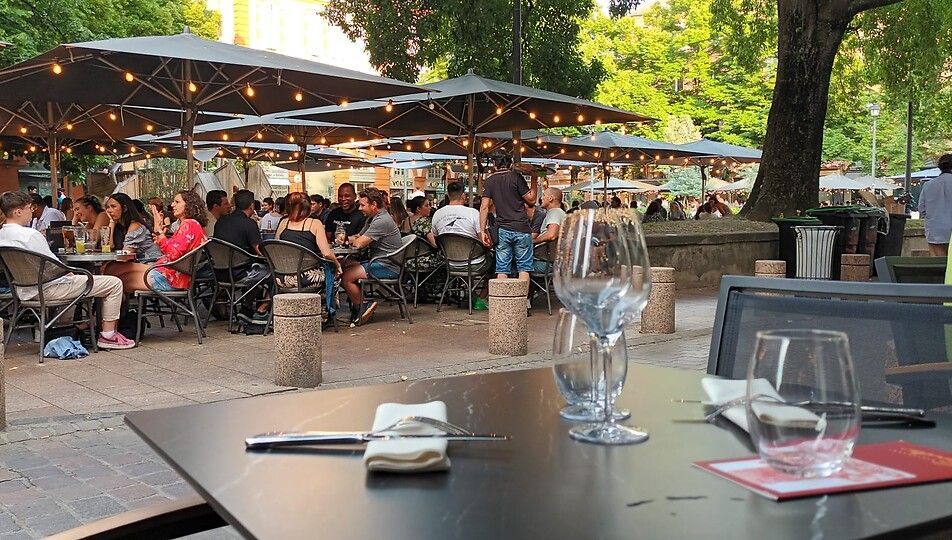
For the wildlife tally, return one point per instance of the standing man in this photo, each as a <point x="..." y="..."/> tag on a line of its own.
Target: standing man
<point x="218" y="205"/>
<point x="935" y="207"/>
<point x="43" y="215"/>
<point x="380" y="236"/>
<point x="506" y="189"/>
<point x="347" y="214"/>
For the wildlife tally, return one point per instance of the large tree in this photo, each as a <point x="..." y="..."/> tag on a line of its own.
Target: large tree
<point x="405" y="37"/>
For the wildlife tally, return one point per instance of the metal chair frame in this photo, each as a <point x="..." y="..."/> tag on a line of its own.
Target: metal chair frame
<point x="306" y="260"/>
<point x="392" y="288"/>
<point x="421" y="248"/>
<point x="543" y="252"/>
<point x="226" y="258"/>
<point x="463" y="270"/>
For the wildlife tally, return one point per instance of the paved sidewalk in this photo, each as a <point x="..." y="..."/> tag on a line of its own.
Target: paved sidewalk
<point x="67" y="458"/>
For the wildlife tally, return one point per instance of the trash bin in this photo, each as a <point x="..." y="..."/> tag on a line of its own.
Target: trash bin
<point x="846" y="217"/>
<point x="815" y="250"/>
<point x="872" y="225"/>
<point x="890" y="244"/>
<point x="788" y="238"/>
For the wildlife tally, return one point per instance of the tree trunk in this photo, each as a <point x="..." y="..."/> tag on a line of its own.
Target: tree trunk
<point x="809" y="35"/>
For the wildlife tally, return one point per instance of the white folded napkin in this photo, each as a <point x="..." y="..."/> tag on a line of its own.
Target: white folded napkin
<point x="408" y="455"/>
<point x="721" y="391"/>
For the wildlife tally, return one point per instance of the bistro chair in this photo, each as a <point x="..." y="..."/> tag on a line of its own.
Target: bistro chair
<point x="897" y="332"/>
<point x="391" y="288"/>
<point x="911" y="269"/>
<point x="289" y="260"/>
<point x="468" y="263"/>
<point x="419" y="249"/>
<point x="203" y="285"/>
<point x="543" y="252"/>
<point x="232" y="266"/>
<point x="25" y="268"/>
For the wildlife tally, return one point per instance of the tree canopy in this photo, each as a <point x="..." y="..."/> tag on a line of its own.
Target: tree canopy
<point x="446" y="38"/>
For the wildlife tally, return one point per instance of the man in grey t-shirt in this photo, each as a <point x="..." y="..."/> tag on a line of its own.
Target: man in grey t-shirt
<point x="380" y="236"/>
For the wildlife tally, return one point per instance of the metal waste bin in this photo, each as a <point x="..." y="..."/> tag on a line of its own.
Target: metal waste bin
<point x="815" y="250"/>
<point x="890" y="244"/>
<point x="788" y="238"/>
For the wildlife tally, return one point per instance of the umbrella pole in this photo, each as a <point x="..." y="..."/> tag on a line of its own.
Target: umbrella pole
<point x="471" y="125"/>
<point x="703" y="183"/>
<point x="188" y="131"/>
<point x="301" y="166"/>
<point x="53" y="145"/>
<point x="605" y="179"/>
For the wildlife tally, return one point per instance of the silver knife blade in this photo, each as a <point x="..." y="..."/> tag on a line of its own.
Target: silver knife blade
<point x="271" y="440"/>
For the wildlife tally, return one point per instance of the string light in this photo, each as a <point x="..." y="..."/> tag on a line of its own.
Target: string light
<point x="221" y="152"/>
<point x="164" y="150"/>
<point x="426" y="144"/>
<point x="249" y="91"/>
<point x="130" y="77"/>
<point x="344" y="102"/>
<point x="132" y="149"/>
<point x="562" y="151"/>
<point x="598" y="121"/>
<point x="581" y="118"/>
<point x="23" y="130"/>
<point x="565" y="139"/>
<point x="69" y="150"/>
<point x="224" y="136"/>
<point x="112" y="116"/>
<point x="408" y="146"/>
<point x="69" y="127"/>
<point x="298" y="96"/>
<point x="32" y="148"/>
<point x="297" y="155"/>
<point x="498" y="111"/>
<point x="192" y="87"/>
<point x="244" y="151"/>
<point x="291" y="138"/>
<point x="148" y="156"/>
<point x="259" y="135"/>
<point x="323" y="140"/>
<point x="431" y="105"/>
<point x="389" y="106"/>
<point x="556" y="119"/>
<point x="149" y="127"/>
<point x="538" y="140"/>
<point x="465" y="142"/>
<point x="532" y="115"/>
<point x="57" y="69"/>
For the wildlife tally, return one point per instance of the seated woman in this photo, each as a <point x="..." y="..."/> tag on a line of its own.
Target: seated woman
<point x="130" y="230"/>
<point x="655" y="212"/>
<point x="88" y="211"/>
<point x="422" y="226"/>
<point x="189" y="211"/>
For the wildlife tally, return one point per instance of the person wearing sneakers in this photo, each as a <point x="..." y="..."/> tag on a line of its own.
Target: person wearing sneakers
<point x="16" y="232"/>
<point x="380" y="236"/>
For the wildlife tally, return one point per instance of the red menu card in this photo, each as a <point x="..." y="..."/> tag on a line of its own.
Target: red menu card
<point x="872" y="466"/>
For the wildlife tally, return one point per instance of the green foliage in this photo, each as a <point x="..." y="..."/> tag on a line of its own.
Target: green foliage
<point x="685" y="181"/>
<point x="450" y="37"/>
<point x="680" y="129"/>
<point x="35" y="26"/>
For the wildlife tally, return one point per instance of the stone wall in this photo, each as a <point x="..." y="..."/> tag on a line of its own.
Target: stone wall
<point x="700" y="260"/>
<point x="913" y="238"/>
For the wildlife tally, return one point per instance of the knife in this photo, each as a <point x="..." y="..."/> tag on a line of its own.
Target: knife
<point x="276" y="439"/>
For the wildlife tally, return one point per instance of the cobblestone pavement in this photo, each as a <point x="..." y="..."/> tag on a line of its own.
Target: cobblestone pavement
<point x="67" y="458"/>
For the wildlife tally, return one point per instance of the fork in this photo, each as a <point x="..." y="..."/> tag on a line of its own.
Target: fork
<point x="445" y="427"/>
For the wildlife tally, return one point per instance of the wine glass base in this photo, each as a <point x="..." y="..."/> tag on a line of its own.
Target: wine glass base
<point x="587" y="413"/>
<point x="609" y="434"/>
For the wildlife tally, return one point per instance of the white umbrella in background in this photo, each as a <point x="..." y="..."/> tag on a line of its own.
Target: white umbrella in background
<point x="839" y="181"/>
<point x="875" y="183"/>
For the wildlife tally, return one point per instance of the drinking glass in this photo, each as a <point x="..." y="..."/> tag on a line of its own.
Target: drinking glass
<point x="601" y="274"/>
<point x="803" y="405"/>
<point x="577" y="366"/>
<point x="69" y="239"/>
<point x="81" y="236"/>
<point x="105" y="240"/>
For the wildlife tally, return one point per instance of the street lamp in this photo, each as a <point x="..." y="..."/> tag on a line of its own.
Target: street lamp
<point x="874" y="112"/>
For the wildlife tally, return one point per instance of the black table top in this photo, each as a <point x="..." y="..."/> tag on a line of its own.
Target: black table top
<point x="541" y="484"/>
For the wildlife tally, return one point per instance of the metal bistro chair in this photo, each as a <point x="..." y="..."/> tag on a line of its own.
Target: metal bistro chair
<point x="900" y="334"/>
<point x="418" y="249"/>
<point x="911" y="269"/>
<point x="230" y="263"/>
<point x="463" y="264"/>
<point x="25" y="268"/>
<point x="287" y="259"/>
<point x="203" y="284"/>
<point x="391" y="288"/>
<point x="543" y="252"/>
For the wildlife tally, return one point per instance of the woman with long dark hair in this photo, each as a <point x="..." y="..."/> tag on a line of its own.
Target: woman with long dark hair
<point x="88" y="211"/>
<point x="130" y="230"/>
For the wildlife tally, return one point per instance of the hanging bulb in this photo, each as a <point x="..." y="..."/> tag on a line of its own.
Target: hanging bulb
<point x="298" y="96"/>
<point x="598" y="122"/>
<point x="431" y="105"/>
<point x="259" y="135"/>
<point x="297" y="155"/>
<point x="192" y="87"/>
<point x="344" y="102"/>
<point x="57" y="69"/>
<point x="565" y="139"/>
<point x="465" y="142"/>
<point x="581" y="118"/>
<point x="291" y="138"/>
<point x="538" y="140"/>
<point x="149" y="127"/>
<point x="498" y="110"/>
<point x="408" y="147"/>
<point x="112" y="116"/>
<point x="323" y="140"/>
<point x="69" y="150"/>
<point x="132" y="149"/>
<point x="532" y="115"/>
<point x="249" y="91"/>
<point x="426" y="144"/>
<point x="130" y="77"/>
<point x="224" y="136"/>
<point x="244" y="151"/>
<point x="69" y="127"/>
<point x="32" y="148"/>
<point x="164" y="150"/>
<point x="221" y="152"/>
<point x="556" y="119"/>
<point x="389" y="106"/>
<point x="148" y="156"/>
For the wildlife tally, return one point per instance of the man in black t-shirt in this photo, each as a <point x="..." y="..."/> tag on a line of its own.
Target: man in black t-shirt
<point x="506" y="189"/>
<point x="347" y="214"/>
<point x="238" y="227"/>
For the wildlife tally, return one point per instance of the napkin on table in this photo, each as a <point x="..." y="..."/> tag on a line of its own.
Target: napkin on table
<point x="723" y="390"/>
<point x="408" y="455"/>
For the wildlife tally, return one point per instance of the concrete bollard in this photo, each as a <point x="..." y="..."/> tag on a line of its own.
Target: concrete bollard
<point x="921" y="253"/>
<point x="770" y="268"/>
<point x="854" y="267"/>
<point x="297" y="340"/>
<point x="508" y="329"/>
<point x="3" y="383"/>
<point x="658" y="315"/>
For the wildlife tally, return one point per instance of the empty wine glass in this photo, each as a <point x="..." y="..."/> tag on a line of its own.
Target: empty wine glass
<point x="803" y="406"/>
<point x="577" y="366"/>
<point x="601" y="274"/>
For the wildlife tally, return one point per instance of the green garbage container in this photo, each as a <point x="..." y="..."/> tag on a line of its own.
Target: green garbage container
<point x="788" y="238"/>
<point x="872" y="225"/>
<point x="890" y="244"/>
<point x="849" y="218"/>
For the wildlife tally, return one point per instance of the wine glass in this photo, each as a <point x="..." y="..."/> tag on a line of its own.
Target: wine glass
<point x="803" y="405"/>
<point x="601" y="274"/>
<point x="577" y="367"/>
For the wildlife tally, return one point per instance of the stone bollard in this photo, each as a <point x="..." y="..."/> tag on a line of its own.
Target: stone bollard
<point x="854" y="267"/>
<point x="508" y="331"/>
<point x="770" y="268"/>
<point x="921" y="253"/>
<point x="658" y="315"/>
<point x="3" y="388"/>
<point x="297" y="339"/>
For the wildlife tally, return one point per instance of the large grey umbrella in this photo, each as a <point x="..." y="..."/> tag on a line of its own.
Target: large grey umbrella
<point x="468" y="105"/>
<point x="189" y="73"/>
<point x="714" y="151"/>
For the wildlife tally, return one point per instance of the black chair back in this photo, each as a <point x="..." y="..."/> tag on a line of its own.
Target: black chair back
<point x="26" y="268"/>
<point x="290" y="259"/>
<point x="911" y="269"/>
<point x="890" y="328"/>
<point x="460" y="250"/>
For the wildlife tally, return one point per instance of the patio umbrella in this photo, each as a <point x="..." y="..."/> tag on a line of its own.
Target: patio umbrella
<point x="191" y="74"/>
<point x="714" y="151"/>
<point x="467" y="105"/>
<point x="839" y="181"/>
<point x="614" y="184"/>
<point x="870" y="182"/>
<point x="923" y="174"/>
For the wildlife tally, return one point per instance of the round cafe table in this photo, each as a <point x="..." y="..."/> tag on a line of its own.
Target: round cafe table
<point x="96" y="257"/>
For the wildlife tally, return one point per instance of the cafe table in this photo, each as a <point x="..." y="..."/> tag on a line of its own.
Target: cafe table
<point x="95" y="257"/>
<point x="540" y="484"/>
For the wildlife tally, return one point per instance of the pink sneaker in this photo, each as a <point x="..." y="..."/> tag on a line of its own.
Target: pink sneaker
<point x="117" y="341"/>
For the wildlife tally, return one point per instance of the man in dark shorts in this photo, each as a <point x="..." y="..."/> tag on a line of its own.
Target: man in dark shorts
<point x="506" y="189"/>
<point x="347" y="214"/>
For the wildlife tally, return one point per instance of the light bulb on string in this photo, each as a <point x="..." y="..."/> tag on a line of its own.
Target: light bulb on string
<point x="323" y="140"/>
<point x="57" y="69"/>
<point x="69" y="127"/>
<point x="344" y="102"/>
<point x="532" y="115"/>
<point x="426" y="144"/>
<point x="112" y="116"/>
<point x="556" y="119"/>
<point x="164" y="150"/>
<point x="259" y="135"/>
<point x="149" y="127"/>
<point x="291" y="138"/>
<point x="249" y="91"/>
<point x="192" y="87"/>
<point x="224" y="136"/>
<point x="498" y="111"/>
<point x="581" y="118"/>
<point x="298" y="96"/>
<point x="389" y="106"/>
<point x="129" y="77"/>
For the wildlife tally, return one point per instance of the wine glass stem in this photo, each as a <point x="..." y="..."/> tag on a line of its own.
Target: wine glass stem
<point x="594" y="365"/>
<point x="605" y="348"/>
